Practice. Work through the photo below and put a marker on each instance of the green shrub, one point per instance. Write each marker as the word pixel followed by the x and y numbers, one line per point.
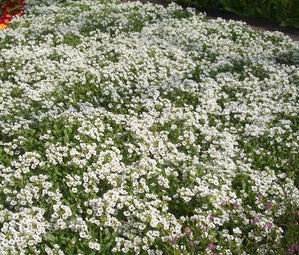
pixel 284 12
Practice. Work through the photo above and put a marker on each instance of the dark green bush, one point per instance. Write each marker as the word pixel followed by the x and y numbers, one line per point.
pixel 283 12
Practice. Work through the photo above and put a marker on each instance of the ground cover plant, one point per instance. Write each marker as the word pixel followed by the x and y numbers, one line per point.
pixel 138 129
pixel 283 12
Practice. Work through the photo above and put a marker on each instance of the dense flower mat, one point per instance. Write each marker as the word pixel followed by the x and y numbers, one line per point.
pixel 135 129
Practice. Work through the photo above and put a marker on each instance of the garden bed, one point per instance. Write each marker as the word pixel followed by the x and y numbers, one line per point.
pixel 129 128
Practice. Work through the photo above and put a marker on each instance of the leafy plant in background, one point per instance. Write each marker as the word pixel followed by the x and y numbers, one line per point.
pixel 283 12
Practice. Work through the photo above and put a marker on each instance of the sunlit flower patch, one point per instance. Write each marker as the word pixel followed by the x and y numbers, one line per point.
pixel 138 129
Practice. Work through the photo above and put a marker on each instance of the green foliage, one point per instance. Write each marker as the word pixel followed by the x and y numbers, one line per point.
pixel 283 12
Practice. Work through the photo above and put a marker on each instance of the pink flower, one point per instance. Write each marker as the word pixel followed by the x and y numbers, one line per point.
pixel 294 248
pixel 268 226
pixel 212 246
pixel 188 231
pixel 211 218
pixel 255 220
pixel 269 206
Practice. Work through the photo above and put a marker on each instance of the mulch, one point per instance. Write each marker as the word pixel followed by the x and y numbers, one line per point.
pixel 259 24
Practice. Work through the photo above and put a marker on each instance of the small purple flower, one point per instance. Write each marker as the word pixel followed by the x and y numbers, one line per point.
pixel 269 206
pixel 173 240
pixel 255 220
pixel 268 226
pixel 260 197
pixel 212 246
pixel 188 231
pixel 294 248
pixel 191 243
pixel 236 206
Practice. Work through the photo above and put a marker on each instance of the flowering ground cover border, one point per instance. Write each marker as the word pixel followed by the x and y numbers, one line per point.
pixel 138 129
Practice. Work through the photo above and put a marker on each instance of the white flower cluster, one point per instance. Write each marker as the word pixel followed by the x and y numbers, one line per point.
pixel 137 129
